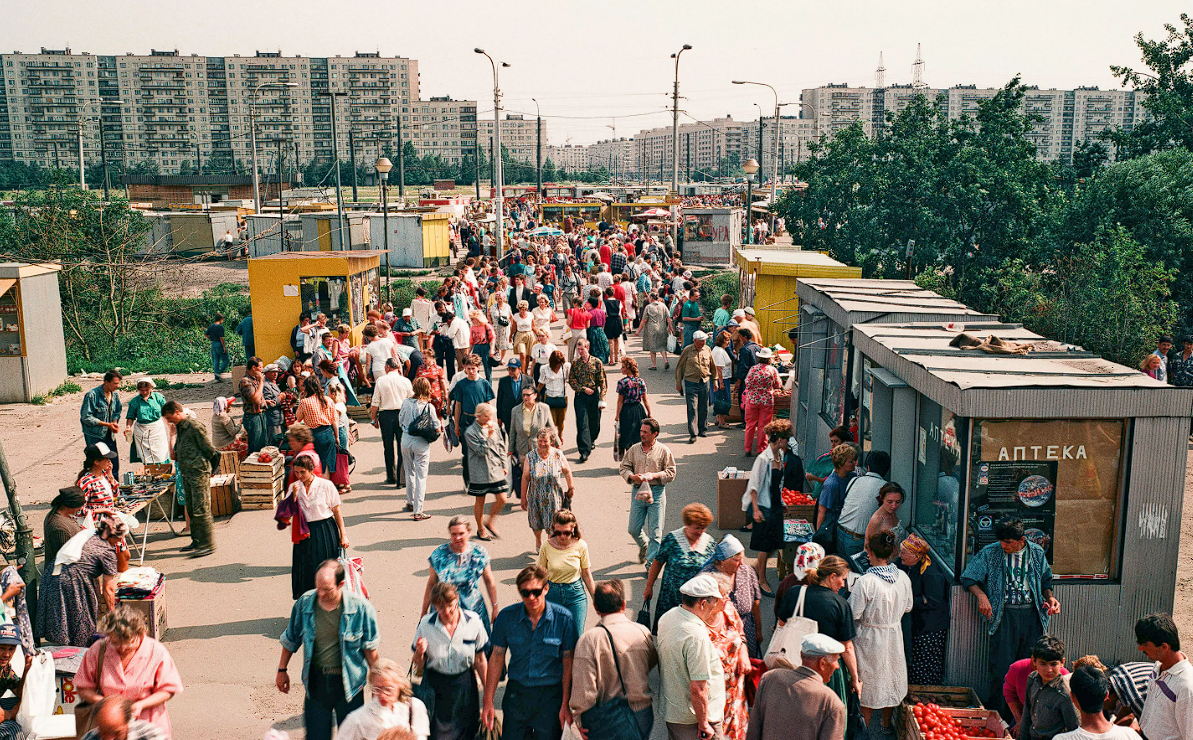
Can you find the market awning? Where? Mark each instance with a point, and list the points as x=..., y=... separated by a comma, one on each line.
x=5, y=284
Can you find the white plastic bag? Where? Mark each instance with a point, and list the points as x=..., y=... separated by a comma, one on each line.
x=39, y=694
x=785, y=644
x=671, y=345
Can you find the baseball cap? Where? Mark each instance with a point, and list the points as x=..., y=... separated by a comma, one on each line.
x=514, y=362
x=407, y=312
x=10, y=634
x=105, y=451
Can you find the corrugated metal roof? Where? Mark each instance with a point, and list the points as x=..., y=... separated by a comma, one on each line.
x=848, y=301
x=788, y=257
x=1053, y=381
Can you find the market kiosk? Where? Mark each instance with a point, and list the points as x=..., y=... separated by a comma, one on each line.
x=343, y=285
x=32, y=347
x=710, y=235
x=768, y=277
x=829, y=370
x=1088, y=453
x=417, y=239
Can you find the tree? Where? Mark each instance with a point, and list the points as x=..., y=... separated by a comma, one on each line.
x=1167, y=93
x=1088, y=157
x=550, y=174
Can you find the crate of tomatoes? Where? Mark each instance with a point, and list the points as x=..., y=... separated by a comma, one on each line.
x=934, y=722
x=798, y=505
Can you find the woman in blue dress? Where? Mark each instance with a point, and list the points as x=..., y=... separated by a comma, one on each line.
x=465, y=565
x=681, y=556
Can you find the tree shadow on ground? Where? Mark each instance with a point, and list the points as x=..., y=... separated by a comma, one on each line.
x=265, y=626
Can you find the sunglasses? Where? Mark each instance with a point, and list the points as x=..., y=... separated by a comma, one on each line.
x=564, y=532
x=528, y=592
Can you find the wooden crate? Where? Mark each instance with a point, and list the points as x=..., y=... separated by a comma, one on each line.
x=251, y=498
x=229, y=462
x=957, y=697
x=986, y=719
x=729, y=512
x=225, y=495
x=801, y=511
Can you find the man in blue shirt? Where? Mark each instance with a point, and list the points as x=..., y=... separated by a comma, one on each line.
x=832, y=493
x=747, y=357
x=100, y=415
x=245, y=330
x=540, y=637
x=219, y=350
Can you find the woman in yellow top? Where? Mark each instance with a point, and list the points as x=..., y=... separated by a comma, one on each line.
x=565, y=557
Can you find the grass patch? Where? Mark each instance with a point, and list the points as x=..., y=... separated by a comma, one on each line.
x=68, y=387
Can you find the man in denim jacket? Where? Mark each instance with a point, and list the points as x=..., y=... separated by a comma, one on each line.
x=1012, y=581
x=338, y=635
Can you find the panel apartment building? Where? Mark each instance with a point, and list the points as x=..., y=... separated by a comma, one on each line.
x=169, y=109
x=519, y=134
x=1069, y=117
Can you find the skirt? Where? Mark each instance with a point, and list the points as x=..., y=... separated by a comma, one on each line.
x=598, y=343
x=768, y=534
x=481, y=490
x=630, y=425
x=309, y=554
x=927, y=658
x=523, y=341
x=453, y=704
x=151, y=443
x=574, y=598
x=324, y=438
x=613, y=327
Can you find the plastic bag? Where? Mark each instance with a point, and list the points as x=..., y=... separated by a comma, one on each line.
x=570, y=732
x=354, y=574
x=40, y=690
x=672, y=344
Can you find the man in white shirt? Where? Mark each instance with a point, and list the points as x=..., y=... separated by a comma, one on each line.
x=1088, y=688
x=389, y=393
x=1168, y=711
x=458, y=330
x=861, y=501
x=379, y=349
x=693, y=680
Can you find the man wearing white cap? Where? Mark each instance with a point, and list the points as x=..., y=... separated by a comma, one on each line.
x=693, y=680
x=751, y=322
x=404, y=329
x=794, y=703
x=692, y=371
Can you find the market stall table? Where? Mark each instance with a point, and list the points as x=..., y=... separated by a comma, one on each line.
x=134, y=499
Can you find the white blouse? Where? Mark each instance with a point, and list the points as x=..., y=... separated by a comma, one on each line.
x=543, y=318
x=555, y=382
x=317, y=501
x=524, y=324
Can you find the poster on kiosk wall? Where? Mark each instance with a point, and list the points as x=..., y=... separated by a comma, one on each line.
x=1022, y=489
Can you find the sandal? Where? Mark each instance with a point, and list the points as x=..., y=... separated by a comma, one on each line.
x=493, y=533
x=421, y=516
x=483, y=537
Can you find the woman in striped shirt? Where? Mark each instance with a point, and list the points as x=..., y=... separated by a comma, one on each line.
x=317, y=412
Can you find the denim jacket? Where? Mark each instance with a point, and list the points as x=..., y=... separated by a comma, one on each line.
x=97, y=409
x=986, y=570
x=358, y=633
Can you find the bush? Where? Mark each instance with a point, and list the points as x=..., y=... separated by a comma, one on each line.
x=712, y=288
x=401, y=292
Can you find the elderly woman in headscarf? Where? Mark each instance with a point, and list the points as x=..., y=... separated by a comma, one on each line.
x=151, y=443
x=224, y=428
x=926, y=628
x=67, y=605
x=729, y=558
x=807, y=559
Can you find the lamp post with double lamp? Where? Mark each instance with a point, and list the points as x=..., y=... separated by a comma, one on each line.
x=253, y=141
x=383, y=166
x=675, y=138
x=335, y=153
x=750, y=167
x=774, y=180
x=499, y=205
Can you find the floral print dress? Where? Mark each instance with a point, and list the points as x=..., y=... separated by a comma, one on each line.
x=544, y=492
x=464, y=571
x=680, y=562
x=729, y=641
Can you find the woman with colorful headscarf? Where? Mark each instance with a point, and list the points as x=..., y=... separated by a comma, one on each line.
x=807, y=560
x=926, y=629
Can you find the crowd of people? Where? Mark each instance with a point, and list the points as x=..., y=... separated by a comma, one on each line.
x=490, y=361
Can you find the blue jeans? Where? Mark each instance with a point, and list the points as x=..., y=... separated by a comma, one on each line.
x=486, y=362
x=219, y=358
x=649, y=517
x=847, y=544
x=696, y=396
x=574, y=598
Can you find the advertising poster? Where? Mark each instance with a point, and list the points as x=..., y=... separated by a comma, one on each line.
x=1025, y=490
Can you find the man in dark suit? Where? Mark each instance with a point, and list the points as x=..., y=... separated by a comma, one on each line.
x=509, y=391
x=519, y=292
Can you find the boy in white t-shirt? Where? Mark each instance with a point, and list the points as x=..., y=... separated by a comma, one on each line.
x=1089, y=688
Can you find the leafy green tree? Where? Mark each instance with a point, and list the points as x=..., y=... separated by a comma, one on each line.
x=1168, y=93
x=1088, y=157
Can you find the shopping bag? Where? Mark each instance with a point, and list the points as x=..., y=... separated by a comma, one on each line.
x=40, y=692
x=354, y=574
x=490, y=733
x=617, y=444
x=671, y=345
x=343, y=468
x=785, y=644
x=644, y=616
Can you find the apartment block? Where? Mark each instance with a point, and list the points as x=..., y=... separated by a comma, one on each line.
x=442, y=127
x=794, y=136
x=518, y=133
x=569, y=157
x=618, y=156
x=703, y=148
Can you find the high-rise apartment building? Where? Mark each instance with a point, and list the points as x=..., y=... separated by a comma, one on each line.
x=568, y=157
x=518, y=133
x=704, y=148
x=442, y=127
x=794, y=136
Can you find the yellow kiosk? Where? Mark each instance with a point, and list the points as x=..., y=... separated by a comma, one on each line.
x=283, y=286
x=767, y=278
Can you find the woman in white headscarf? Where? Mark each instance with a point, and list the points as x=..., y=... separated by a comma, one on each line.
x=150, y=441
x=224, y=428
x=746, y=595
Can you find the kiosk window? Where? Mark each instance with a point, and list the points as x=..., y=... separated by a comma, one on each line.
x=1062, y=478
x=832, y=402
x=698, y=228
x=935, y=514
x=328, y=295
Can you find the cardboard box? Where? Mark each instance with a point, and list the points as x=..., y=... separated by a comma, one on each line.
x=729, y=513
x=225, y=495
x=806, y=512
x=154, y=611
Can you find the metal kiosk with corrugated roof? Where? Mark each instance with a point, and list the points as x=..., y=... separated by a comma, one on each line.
x=1088, y=453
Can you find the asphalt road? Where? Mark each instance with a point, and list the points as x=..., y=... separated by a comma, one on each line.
x=226, y=611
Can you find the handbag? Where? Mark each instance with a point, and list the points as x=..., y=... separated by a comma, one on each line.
x=644, y=615
x=421, y=689
x=826, y=536
x=344, y=464
x=84, y=721
x=354, y=574
x=556, y=402
x=785, y=644
x=613, y=719
x=424, y=427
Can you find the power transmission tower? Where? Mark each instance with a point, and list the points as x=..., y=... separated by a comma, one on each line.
x=917, y=71
x=880, y=73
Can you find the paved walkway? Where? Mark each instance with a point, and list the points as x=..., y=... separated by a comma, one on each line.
x=226, y=611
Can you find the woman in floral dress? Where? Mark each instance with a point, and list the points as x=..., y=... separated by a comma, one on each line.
x=544, y=473
x=464, y=565
x=632, y=405
x=681, y=556
x=728, y=637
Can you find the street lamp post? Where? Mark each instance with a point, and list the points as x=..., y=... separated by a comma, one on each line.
x=675, y=139
x=538, y=152
x=253, y=141
x=383, y=166
x=774, y=180
x=499, y=205
x=335, y=153
x=750, y=167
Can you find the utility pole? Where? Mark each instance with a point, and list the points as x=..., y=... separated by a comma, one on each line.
x=103, y=156
x=476, y=161
x=82, y=181
x=57, y=166
x=538, y=152
x=675, y=128
x=492, y=172
x=402, y=165
x=352, y=159
x=198, y=158
x=335, y=153
x=689, y=147
x=281, y=203
x=499, y=208
x=24, y=550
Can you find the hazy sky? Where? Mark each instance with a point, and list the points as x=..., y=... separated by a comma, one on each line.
x=587, y=62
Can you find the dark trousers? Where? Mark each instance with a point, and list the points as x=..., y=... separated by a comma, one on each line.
x=416, y=361
x=1016, y=634
x=588, y=421
x=531, y=712
x=325, y=697
x=695, y=394
x=486, y=361
x=445, y=354
x=391, y=444
x=197, y=487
